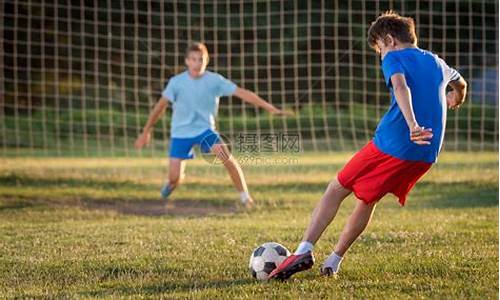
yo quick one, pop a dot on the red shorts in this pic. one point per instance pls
(371, 174)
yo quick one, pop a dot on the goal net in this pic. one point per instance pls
(78, 78)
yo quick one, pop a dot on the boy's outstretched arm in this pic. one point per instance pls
(154, 115)
(419, 135)
(254, 99)
(456, 96)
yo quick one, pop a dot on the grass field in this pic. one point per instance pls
(95, 228)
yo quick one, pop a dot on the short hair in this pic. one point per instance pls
(197, 47)
(390, 22)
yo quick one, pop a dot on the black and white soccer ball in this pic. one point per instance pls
(266, 258)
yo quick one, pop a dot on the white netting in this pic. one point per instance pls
(79, 77)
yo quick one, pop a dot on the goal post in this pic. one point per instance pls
(78, 78)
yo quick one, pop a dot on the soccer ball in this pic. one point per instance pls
(266, 258)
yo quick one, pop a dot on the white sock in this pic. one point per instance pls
(244, 197)
(303, 248)
(333, 261)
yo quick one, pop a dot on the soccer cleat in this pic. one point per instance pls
(292, 265)
(165, 191)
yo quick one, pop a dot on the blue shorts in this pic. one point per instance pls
(183, 147)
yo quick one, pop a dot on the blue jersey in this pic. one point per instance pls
(195, 102)
(427, 76)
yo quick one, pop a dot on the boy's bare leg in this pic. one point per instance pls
(175, 176)
(322, 216)
(234, 170)
(325, 210)
(356, 224)
(176, 169)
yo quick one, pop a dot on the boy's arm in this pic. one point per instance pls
(419, 135)
(154, 115)
(254, 99)
(456, 96)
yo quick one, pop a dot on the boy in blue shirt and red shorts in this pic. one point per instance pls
(406, 143)
(194, 95)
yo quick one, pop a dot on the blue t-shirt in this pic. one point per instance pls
(195, 102)
(427, 76)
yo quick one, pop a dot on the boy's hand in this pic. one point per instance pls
(421, 135)
(453, 100)
(142, 140)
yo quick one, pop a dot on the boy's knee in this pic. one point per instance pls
(335, 190)
(230, 162)
(175, 181)
(222, 154)
(335, 185)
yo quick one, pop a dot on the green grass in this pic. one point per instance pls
(90, 228)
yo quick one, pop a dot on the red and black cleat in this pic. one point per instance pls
(292, 265)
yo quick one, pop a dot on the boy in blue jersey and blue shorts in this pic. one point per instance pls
(406, 143)
(194, 96)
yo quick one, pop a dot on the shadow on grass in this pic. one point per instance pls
(6, 205)
(117, 185)
(453, 195)
(148, 207)
(178, 207)
(17, 180)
